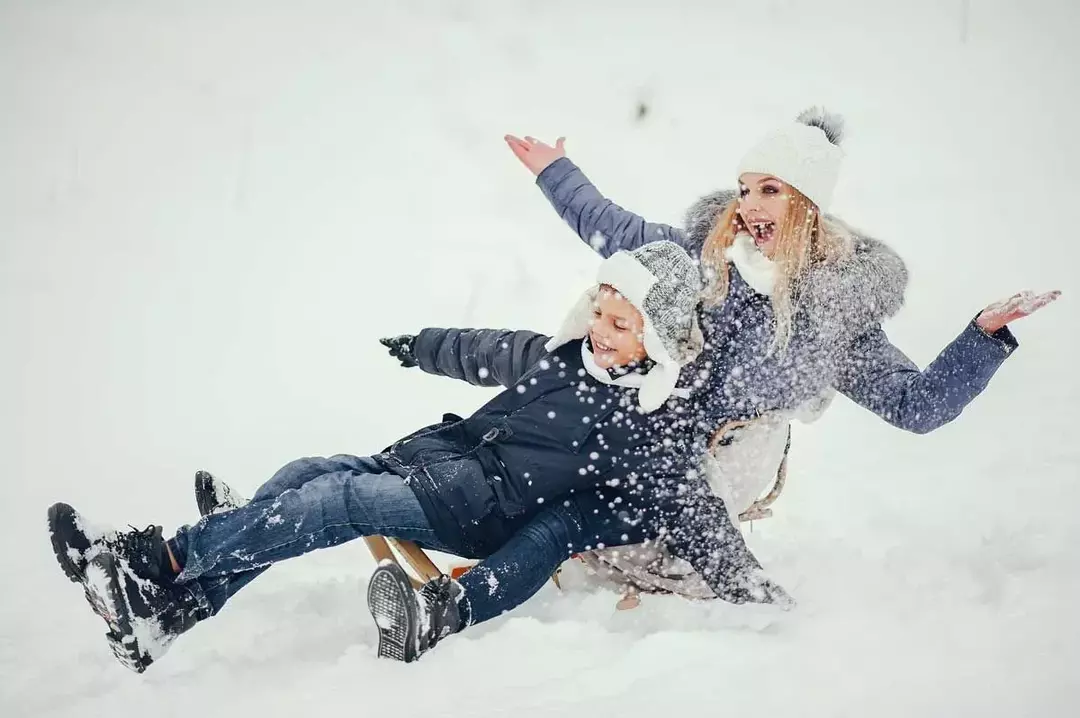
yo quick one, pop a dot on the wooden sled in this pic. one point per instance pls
(388, 549)
(424, 569)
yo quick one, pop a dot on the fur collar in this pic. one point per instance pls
(842, 298)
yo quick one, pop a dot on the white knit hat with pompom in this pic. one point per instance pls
(806, 154)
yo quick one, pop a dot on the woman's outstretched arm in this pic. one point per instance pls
(602, 224)
(881, 378)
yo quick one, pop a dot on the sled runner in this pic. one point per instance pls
(646, 580)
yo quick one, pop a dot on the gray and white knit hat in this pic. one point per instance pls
(664, 284)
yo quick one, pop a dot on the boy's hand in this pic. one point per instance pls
(401, 348)
(534, 154)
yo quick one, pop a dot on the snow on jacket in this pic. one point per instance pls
(836, 342)
(738, 471)
(555, 430)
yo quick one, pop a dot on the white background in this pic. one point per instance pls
(209, 212)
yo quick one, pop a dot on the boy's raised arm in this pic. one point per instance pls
(484, 357)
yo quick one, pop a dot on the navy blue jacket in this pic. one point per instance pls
(553, 431)
(558, 434)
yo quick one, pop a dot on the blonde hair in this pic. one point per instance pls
(804, 238)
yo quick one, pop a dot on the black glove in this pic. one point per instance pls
(401, 348)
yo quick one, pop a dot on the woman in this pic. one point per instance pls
(781, 269)
(791, 282)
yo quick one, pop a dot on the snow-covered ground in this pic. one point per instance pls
(209, 211)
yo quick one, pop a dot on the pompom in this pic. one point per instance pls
(830, 123)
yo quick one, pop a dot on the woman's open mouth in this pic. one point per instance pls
(762, 232)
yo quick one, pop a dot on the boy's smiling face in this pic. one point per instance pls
(616, 330)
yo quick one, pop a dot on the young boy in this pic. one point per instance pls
(580, 411)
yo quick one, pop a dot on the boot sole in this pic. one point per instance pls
(388, 598)
(205, 496)
(105, 593)
(58, 514)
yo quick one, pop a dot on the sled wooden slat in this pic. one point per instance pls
(381, 551)
(424, 567)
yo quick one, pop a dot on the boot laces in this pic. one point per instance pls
(139, 538)
(138, 546)
(438, 597)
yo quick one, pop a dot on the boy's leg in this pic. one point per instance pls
(296, 473)
(224, 552)
(521, 567)
(410, 623)
(130, 580)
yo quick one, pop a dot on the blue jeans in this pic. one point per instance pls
(512, 574)
(307, 505)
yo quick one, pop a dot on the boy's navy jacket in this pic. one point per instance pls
(555, 430)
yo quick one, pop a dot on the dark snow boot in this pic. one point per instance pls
(75, 543)
(71, 540)
(144, 615)
(214, 496)
(411, 622)
(128, 580)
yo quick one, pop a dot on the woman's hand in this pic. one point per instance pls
(534, 154)
(1015, 307)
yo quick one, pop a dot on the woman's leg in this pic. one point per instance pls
(511, 575)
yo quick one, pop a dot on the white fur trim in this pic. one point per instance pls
(627, 275)
(802, 156)
(633, 281)
(577, 322)
(630, 379)
(654, 387)
(658, 386)
(755, 268)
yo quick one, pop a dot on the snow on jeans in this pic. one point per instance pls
(308, 504)
(317, 503)
(525, 563)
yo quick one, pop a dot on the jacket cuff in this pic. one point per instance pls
(1003, 339)
(422, 352)
(555, 173)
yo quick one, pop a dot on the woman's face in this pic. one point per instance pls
(616, 330)
(763, 204)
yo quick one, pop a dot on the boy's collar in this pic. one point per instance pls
(605, 376)
(618, 372)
